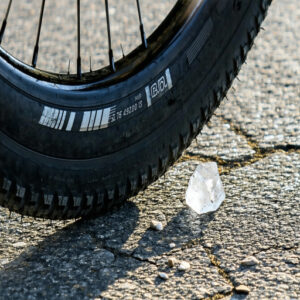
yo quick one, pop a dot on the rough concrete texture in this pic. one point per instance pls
(250, 244)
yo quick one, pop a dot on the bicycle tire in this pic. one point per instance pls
(62, 155)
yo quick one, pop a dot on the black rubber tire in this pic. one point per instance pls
(55, 166)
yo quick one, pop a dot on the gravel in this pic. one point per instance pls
(184, 266)
(156, 225)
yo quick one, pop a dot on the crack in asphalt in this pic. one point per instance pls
(252, 142)
(215, 262)
(116, 252)
(226, 166)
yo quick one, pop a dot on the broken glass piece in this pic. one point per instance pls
(205, 191)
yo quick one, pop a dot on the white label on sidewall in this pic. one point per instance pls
(92, 120)
(159, 87)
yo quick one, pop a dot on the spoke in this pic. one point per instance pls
(78, 41)
(3, 27)
(110, 51)
(122, 50)
(143, 35)
(69, 64)
(36, 47)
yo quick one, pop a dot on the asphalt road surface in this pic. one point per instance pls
(249, 248)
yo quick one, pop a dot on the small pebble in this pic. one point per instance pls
(148, 280)
(249, 261)
(242, 289)
(172, 245)
(156, 225)
(172, 262)
(163, 276)
(19, 245)
(184, 266)
(4, 261)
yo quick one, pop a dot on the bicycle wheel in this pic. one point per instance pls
(73, 145)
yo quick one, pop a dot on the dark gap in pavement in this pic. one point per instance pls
(118, 253)
(252, 142)
(225, 166)
(215, 262)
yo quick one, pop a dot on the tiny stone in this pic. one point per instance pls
(184, 266)
(249, 261)
(172, 245)
(242, 289)
(163, 276)
(172, 261)
(19, 245)
(4, 261)
(148, 280)
(156, 225)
